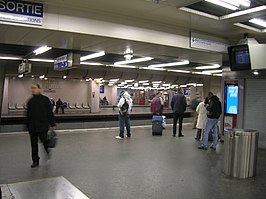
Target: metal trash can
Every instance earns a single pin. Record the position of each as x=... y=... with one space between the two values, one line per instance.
x=240 y=153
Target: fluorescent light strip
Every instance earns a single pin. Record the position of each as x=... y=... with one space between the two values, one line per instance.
x=92 y=56
x=219 y=74
x=144 y=81
x=144 y=59
x=248 y=27
x=200 y=73
x=114 y=80
x=200 y=85
x=203 y=14
x=245 y=3
x=180 y=63
x=208 y=67
x=243 y=12
x=91 y=63
x=41 y=50
x=223 y=4
x=213 y=71
x=157 y=82
x=232 y=2
x=179 y=71
x=10 y=58
x=147 y=68
x=123 y=66
x=259 y=22
x=42 y=60
x=130 y=80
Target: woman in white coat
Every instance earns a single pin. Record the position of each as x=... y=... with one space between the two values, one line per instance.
x=202 y=118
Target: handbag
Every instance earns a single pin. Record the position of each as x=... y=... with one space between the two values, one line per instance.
x=51 y=139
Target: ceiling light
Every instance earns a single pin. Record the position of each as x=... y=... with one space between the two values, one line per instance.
x=179 y=71
x=148 y=68
x=218 y=74
x=232 y=2
x=200 y=85
x=245 y=3
x=144 y=81
x=41 y=50
x=42 y=77
x=183 y=86
x=259 y=22
x=10 y=58
x=200 y=73
x=213 y=71
x=144 y=59
x=256 y=72
x=199 y=13
x=223 y=4
x=42 y=60
x=146 y=84
x=92 y=56
x=64 y=77
x=20 y=76
x=45 y=78
x=98 y=79
x=114 y=80
x=243 y=12
x=208 y=67
x=174 y=86
x=180 y=63
x=123 y=66
x=191 y=84
x=129 y=81
x=157 y=82
x=91 y=63
x=247 y=27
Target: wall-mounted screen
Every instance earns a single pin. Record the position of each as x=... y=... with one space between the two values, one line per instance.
x=231 y=100
x=239 y=57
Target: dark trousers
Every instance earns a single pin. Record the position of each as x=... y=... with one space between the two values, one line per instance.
x=59 y=107
x=34 y=144
x=178 y=117
x=124 y=120
x=199 y=132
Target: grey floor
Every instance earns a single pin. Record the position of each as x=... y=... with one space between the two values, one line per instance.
x=143 y=167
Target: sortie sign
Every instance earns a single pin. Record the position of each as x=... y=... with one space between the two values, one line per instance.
x=21 y=12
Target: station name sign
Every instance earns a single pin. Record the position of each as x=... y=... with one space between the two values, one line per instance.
x=21 y=12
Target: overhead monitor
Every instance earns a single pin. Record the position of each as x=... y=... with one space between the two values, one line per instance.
x=239 y=57
x=24 y=68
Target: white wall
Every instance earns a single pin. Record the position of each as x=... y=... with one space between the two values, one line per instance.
x=71 y=91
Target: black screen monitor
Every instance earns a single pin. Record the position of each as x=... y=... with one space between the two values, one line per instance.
x=239 y=57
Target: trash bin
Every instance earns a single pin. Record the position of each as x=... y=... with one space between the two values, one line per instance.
x=240 y=153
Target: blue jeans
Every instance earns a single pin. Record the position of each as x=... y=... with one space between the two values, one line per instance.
x=211 y=125
x=124 y=120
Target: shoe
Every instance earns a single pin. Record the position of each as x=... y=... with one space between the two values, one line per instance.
x=118 y=137
x=213 y=148
x=203 y=148
x=128 y=135
x=197 y=139
x=34 y=164
x=181 y=135
x=174 y=135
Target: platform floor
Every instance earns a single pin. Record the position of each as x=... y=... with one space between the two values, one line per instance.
x=143 y=167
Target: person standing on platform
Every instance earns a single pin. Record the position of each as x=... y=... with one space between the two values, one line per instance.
x=39 y=118
x=179 y=105
x=193 y=105
x=202 y=118
x=157 y=104
x=59 y=105
x=125 y=107
x=214 y=108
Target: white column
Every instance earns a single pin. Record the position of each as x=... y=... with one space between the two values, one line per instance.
x=94 y=96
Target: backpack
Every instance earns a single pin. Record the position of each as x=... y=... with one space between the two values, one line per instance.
x=219 y=111
x=125 y=107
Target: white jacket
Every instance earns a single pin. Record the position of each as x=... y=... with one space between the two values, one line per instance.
x=202 y=116
x=122 y=101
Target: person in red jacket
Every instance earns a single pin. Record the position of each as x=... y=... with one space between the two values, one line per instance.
x=157 y=104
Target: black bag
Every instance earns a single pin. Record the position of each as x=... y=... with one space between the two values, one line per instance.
x=124 y=108
x=51 y=139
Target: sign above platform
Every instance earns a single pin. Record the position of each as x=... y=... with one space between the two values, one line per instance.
x=21 y=12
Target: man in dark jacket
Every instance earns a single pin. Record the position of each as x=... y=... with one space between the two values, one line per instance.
x=214 y=109
x=179 y=105
x=39 y=118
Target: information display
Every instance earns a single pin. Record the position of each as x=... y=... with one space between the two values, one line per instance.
x=242 y=57
x=231 y=99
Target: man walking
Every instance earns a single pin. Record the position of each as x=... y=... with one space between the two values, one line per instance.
x=39 y=118
x=125 y=107
x=214 y=108
x=179 y=105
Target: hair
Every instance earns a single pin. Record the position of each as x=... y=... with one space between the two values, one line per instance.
x=37 y=85
x=179 y=90
x=206 y=101
x=210 y=94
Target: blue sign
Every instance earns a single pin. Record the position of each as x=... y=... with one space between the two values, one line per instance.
x=232 y=99
x=101 y=89
x=63 y=62
x=21 y=12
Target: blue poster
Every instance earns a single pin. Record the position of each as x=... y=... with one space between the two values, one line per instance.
x=232 y=99
x=101 y=89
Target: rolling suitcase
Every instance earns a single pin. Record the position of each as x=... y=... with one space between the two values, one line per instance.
x=157 y=128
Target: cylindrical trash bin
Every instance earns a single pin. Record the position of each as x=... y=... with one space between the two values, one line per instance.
x=240 y=153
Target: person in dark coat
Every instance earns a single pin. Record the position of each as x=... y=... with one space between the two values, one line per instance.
x=179 y=105
x=59 y=105
x=39 y=119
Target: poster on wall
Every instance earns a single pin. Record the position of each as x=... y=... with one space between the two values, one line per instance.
x=101 y=89
x=228 y=122
x=187 y=92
